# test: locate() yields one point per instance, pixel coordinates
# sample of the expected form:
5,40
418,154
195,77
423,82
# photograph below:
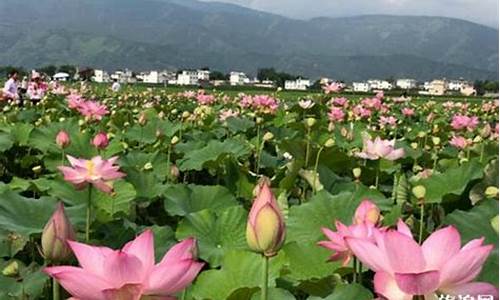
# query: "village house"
438,87
192,77
406,84
362,87
238,78
298,84
101,76
376,84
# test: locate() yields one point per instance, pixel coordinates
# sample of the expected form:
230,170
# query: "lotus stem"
265,279
308,146
355,267
315,175
89,211
421,229
55,290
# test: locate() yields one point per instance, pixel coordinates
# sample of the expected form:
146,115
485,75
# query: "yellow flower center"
91,170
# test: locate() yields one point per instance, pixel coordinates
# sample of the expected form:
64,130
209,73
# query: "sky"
479,11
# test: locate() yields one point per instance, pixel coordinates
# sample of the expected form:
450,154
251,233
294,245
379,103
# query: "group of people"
33,88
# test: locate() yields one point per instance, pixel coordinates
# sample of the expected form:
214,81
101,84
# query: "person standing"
10,87
116,86
36,88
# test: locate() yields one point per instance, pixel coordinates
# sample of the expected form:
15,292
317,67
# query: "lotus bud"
265,226
161,115
356,172
486,131
419,191
186,114
414,145
367,213
436,140
268,136
11,270
148,166
142,119
100,141
174,171
81,122
310,122
55,236
62,139
329,143
174,111
37,169
491,192
174,140
259,120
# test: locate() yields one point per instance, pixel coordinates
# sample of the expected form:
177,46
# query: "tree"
279,78
70,69
50,70
217,75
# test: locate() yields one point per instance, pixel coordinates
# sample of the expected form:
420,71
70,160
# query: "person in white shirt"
116,86
10,87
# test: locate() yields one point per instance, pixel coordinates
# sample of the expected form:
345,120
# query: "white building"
298,84
457,85
126,76
363,87
187,78
438,87
101,76
238,78
376,84
61,76
191,77
406,84
154,77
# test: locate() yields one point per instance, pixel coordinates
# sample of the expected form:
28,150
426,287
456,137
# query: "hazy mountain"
144,34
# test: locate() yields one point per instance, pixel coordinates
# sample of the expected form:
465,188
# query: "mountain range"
159,34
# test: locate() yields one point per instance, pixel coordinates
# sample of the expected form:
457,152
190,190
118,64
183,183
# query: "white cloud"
479,11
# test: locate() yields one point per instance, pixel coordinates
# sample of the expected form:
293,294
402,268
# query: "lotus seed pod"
419,191
356,172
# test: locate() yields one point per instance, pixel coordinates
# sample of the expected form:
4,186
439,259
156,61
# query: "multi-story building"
297,84
406,84
238,78
100,76
362,87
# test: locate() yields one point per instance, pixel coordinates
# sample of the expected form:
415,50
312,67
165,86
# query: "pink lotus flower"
408,111
380,148
459,142
62,139
333,87
337,240
405,269
129,273
100,141
74,100
367,213
228,113
361,112
365,220
97,171
383,121
336,114
205,99
373,103
342,101
265,104
306,104
464,122
93,110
